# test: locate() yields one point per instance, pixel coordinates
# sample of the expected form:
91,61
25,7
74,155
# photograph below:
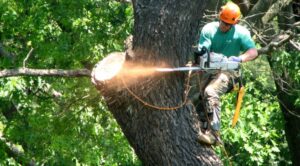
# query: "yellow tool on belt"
241,94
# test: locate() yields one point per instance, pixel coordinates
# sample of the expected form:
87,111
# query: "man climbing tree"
229,39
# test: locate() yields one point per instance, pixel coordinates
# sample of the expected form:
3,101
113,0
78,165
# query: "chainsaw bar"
178,69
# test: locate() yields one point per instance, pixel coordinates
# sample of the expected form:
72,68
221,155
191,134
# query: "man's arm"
205,38
249,55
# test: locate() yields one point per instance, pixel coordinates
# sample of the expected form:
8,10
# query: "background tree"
283,62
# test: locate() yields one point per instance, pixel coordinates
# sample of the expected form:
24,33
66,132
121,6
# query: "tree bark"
274,9
164,32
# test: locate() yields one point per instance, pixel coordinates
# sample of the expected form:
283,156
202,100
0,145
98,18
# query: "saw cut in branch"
44,72
108,68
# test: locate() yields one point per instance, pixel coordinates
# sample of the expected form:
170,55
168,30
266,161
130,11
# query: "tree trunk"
286,93
287,98
164,32
284,84
292,123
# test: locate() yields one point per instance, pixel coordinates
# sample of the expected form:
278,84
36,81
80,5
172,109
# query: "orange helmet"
230,13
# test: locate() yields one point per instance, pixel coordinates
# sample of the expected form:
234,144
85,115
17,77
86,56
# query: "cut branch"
45,72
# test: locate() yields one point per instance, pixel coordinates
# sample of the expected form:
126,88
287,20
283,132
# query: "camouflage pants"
212,86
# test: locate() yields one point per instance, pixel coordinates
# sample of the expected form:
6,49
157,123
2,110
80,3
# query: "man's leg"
219,85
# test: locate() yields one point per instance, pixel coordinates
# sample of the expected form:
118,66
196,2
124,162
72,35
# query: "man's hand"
235,59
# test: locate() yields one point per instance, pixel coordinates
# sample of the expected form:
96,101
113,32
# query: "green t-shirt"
230,43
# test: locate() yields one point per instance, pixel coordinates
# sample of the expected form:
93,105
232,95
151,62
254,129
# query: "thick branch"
281,39
274,10
258,11
45,72
276,43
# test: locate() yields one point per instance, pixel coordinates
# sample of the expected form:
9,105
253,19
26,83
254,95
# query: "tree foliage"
60,121
259,137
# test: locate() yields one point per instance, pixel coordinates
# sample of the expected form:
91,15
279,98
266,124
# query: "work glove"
235,59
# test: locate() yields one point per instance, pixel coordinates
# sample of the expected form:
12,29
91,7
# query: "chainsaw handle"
198,53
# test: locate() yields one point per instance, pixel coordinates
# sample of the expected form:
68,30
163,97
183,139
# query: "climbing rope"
186,92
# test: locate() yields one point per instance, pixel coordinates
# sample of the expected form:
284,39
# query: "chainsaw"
204,61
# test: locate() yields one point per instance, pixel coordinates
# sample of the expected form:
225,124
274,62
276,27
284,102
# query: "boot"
210,138
207,138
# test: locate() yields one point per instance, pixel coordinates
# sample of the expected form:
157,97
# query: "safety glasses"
225,24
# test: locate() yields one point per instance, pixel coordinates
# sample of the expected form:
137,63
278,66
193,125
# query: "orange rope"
186,92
